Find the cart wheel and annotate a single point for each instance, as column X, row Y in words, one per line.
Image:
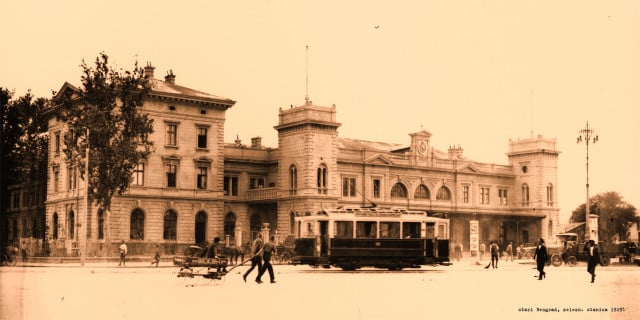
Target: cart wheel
column 285, row 257
column 573, row 261
column 605, row 260
column 556, row 260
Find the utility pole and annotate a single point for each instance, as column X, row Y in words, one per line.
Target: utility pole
column 586, row 135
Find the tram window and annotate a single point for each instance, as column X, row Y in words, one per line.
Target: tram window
column 390, row 230
column 442, row 231
column 309, row 230
column 366, row 229
column 344, row 229
column 411, row 230
column 431, row 230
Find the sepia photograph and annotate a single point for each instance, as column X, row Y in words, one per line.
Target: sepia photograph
column 280, row 159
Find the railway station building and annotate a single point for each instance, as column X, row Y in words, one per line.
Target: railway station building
column 197, row 185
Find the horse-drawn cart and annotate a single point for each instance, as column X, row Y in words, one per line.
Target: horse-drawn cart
column 193, row 264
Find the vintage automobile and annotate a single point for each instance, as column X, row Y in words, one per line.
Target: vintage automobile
column 570, row 250
column 627, row 252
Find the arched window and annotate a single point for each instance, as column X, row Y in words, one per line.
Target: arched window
column 170, row 225
column 443, row 193
column 525, row 195
column 201, row 227
column 293, row 179
column 550, row 232
column 71, row 224
column 398, row 191
column 230, row 225
column 136, row 226
column 55, row 225
column 100, row 224
column 422, row 192
column 322, row 179
column 550, row 195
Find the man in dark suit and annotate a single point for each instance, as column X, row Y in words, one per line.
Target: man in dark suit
column 593, row 258
column 541, row 258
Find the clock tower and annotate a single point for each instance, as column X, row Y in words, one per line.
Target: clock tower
column 420, row 145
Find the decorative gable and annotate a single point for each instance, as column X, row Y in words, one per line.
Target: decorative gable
column 378, row 159
column 469, row 168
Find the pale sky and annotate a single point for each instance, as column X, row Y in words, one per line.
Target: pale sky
column 472, row 73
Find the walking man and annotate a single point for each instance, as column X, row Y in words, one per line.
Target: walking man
column 267, row 250
column 256, row 259
column 594, row 258
column 156, row 257
column 509, row 251
column 541, row 259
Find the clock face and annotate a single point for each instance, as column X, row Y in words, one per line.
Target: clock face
column 422, row 147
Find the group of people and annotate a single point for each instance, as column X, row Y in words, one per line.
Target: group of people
column 593, row 258
column 261, row 253
column 541, row 257
column 261, row 258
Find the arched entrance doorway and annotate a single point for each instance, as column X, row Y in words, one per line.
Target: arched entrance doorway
column 201, row 227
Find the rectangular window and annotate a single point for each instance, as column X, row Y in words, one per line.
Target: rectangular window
column 71, row 178
column 202, row 178
column 202, row 138
column 230, row 186
column 366, row 229
column 16, row 199
column 348, row 187
column 138, row 175
column 56, row 179
column 256, row 183
column 465, row 194
column 484, row 195
column 172, row 134
column 171, row 175
column 502, row 195
column 376, row 188
column 344, row 229
column 390, row 230
column 56, row 147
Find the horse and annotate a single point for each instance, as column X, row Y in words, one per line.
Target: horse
column 233, row 253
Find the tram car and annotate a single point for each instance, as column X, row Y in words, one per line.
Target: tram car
column 388, row 238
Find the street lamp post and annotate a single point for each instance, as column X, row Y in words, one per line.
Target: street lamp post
column 586, row 135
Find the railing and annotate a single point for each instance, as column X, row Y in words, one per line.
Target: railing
column 262, row 194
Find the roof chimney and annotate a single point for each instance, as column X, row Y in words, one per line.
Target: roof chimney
column 148, row 71
column 455, row 152
column 170, row 77
column 256, row 142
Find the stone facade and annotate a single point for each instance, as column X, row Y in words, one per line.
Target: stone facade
column 248, row 188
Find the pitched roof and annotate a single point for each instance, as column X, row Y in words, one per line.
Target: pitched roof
column 169, row 90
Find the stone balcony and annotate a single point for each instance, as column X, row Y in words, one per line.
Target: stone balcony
column 262, row 194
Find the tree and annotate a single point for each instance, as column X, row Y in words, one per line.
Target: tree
column 23, row 150
column 103, row 116
column 615, row 216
